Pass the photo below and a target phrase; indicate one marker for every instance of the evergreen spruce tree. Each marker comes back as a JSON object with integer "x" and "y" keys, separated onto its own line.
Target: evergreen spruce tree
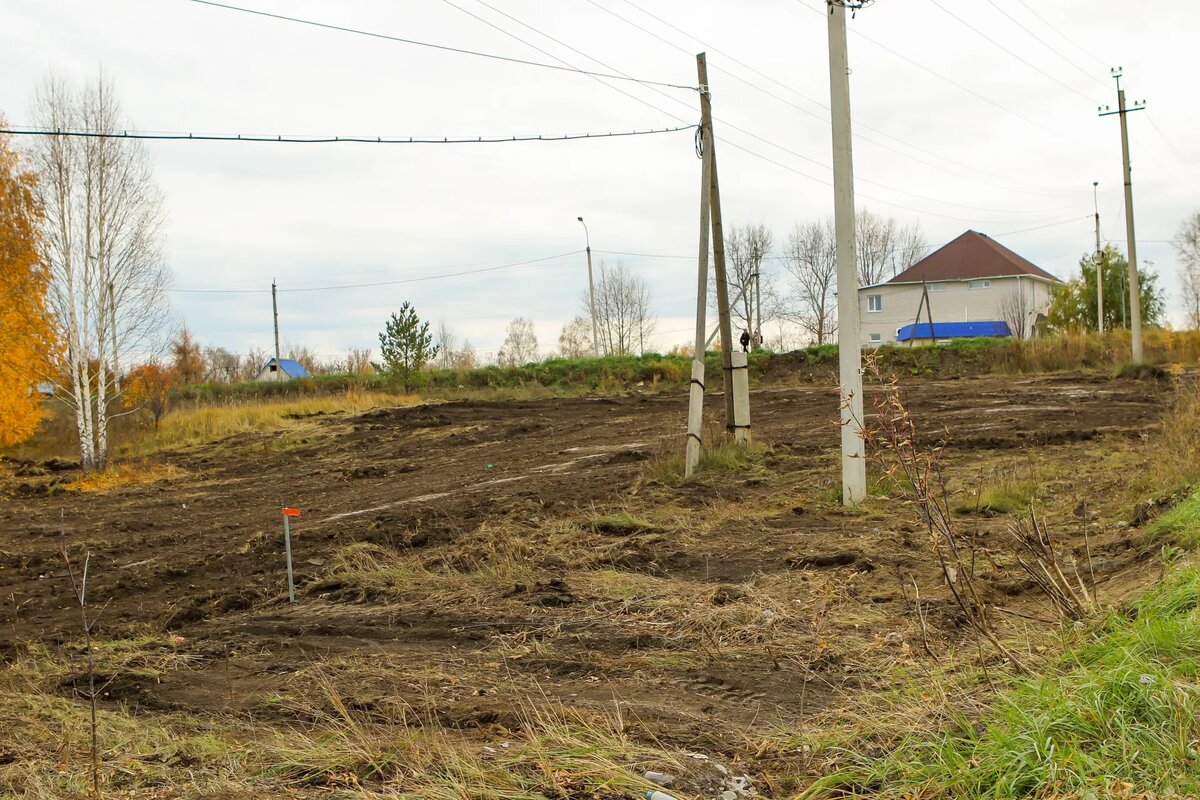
{"x": 407, "y": 346}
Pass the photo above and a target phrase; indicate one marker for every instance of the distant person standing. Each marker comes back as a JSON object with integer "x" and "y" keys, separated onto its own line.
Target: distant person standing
{"x": 745, "y": 340}
{"x": 756, "y": 341}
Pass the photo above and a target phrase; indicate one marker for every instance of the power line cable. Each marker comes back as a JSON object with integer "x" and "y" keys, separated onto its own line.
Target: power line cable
{"x": 962, "y": 87}
{"x": 858, "y": 124}
{"x": 1086, "y": 73}
{"x": 448, "y": 48}
{"x": 1183, "y": 159}
{"x": 1064, "y": 37}
{"x": 1017, "y": 56}
{"x": 717, "y": 119}
{"x": 296, "y": 139}
{"x": 593, "y": 76}
{"x": 383, "y": 283}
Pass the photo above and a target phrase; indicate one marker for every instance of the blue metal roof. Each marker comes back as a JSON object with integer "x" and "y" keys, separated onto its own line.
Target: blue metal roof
{"x": 953, "y": 330}
{"x": 293, "y": 368}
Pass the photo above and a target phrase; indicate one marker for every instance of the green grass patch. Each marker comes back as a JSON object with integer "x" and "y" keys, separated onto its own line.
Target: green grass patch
{"x": 621, "y": 524}
{"x": 1120, "y": 709}
{"x": 1179, "y": 526}
{"x": 1000, "y": 498}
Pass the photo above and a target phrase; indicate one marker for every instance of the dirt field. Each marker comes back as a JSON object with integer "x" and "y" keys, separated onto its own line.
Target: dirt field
{"x": 461, "y": 563}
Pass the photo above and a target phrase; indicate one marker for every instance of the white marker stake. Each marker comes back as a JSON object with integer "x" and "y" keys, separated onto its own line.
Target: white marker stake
{"x": 288, "y": 513}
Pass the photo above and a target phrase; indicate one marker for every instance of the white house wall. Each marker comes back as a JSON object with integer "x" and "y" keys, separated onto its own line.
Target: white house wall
{"x": 954, "y": 302}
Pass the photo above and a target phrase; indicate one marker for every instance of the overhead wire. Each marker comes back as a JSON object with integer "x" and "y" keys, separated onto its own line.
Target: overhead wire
{"x": 1015, "y": 55}
{"x": 1064, "y": 37}
{"x": 298, "y": 139}
{"x": 418, "y": 279}
{"x": 962, "y": 87}
{"x": 858, "y": 124}
{"x": 448, "y": 48}
{"x": 1086, "y": 73}
{"x": 724, "y": 122}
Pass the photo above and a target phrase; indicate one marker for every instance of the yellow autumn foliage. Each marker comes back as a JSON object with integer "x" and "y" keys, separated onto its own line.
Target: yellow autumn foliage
{"x": 26, "y": 332}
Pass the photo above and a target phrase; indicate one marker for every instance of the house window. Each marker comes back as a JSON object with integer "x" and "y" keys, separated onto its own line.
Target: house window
{"x": 874, "y": 302}
{"x": 936, "y": 287}
{"x": 876, "y": 338}
{"x": 984, "y": 284}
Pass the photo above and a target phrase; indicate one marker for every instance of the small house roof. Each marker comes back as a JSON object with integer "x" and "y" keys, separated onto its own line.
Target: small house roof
{"x": 972, "y": 255}
{"x": 952, "y": 330}
{"x": 291, "y": 367}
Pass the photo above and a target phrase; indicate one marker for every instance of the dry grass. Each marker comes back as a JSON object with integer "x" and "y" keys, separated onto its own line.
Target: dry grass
{"x": 203, "y": 424}
{"x": 1107, "y": 351}
{"x": 124, "y": 474}
{"x": 198, "y": 424}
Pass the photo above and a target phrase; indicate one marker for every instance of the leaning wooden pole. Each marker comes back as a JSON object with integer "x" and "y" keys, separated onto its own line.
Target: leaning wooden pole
{"x": 695, "y": 435}
{"x": 718, "y": 235}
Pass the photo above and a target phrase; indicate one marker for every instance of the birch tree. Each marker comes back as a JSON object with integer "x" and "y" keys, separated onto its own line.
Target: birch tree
{"x": 810, "y": 257}
{"x": 101, "y": 239}
{"x": 520, "y": 344}
{"x": 746, "y": 249}
{"x": 883, "y": 248}
{"x": 623, "y": 316}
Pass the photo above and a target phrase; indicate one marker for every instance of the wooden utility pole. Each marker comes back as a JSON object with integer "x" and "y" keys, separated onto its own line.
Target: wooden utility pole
{"x": 695, "y": 435}
{"x": 592, "y": 294}
{"x": 854, "y": 465}
{"x": 718, "y": 234}
{"x": 275, "y": 311}
{"x": 1098, "y": 260}
{"x": 1135, "y": 292}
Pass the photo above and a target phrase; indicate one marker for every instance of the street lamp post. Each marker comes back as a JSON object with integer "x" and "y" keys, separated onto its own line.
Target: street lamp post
{"x": 591, "y": 291}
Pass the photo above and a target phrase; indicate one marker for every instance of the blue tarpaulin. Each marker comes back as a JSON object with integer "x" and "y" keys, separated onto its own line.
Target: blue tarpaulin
{"x": 952, "y": 330}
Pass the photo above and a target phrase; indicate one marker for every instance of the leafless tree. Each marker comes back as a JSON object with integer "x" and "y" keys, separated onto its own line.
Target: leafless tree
{"x": 220, "y": 365}
{"x": 884, "y": 248}
{"x": 520, "y": 344}
{"x": 623, "y": 314}
{"x": 358, "y": 361}
{"x": 575, "y": 341}
{"x": 101, "y": 240}
{"x": 464, "y": 357}
{"x": 810, "y": 257}
{"x": 303, "y": 355}
{"x": 1187, "y": 245}
{"x": 746, "y": 250}
{"x": 1016, "y": 309}
{"x": 447, "y": 342}
{"x": 252, "y": 363}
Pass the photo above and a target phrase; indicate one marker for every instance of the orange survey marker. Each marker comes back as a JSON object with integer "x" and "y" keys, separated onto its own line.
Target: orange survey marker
{"x": 287, "y": 544}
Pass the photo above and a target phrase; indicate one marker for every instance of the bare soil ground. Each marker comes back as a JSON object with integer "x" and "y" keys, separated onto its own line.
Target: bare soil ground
{"x": 460, "y": 563}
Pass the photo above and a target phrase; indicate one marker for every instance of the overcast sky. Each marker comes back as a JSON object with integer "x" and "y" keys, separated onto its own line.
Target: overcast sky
{"x": 953, "y": 130}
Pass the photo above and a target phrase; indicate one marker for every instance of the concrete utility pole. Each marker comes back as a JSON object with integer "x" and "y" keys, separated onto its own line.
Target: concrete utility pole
{"x": 1135, "y": 292}
{"x": 591, "y": 291}
{"x": 854, "y": 465}
{"x": 275, "y": 310}
{"x": 718, "y": 235}
{"x": 695, "y": 435}
{"x": 1099, "y": 260}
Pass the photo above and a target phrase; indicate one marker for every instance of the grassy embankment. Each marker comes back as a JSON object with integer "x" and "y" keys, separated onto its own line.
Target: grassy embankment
{"x": 202, "y": 413}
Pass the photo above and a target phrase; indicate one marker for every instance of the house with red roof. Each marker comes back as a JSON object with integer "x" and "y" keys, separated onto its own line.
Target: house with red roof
{"x": 974, "y": 286}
